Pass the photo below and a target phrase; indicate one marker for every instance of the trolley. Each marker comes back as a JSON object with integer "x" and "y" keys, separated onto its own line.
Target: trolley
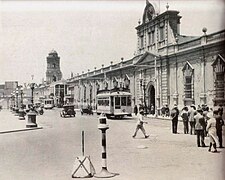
{"x": 114, "y": 103}
{"x": 48, "y": 103}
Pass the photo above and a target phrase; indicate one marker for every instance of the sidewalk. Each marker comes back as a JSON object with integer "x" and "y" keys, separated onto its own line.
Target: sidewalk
{"x": 11, "y": 123}
{"x": 162, "y": 118}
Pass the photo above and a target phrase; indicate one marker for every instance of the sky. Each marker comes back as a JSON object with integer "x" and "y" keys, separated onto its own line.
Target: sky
{"x": 86, "y": 34}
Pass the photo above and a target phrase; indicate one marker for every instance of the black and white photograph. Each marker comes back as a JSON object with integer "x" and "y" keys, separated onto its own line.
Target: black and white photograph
{"x": 112, "y": 89}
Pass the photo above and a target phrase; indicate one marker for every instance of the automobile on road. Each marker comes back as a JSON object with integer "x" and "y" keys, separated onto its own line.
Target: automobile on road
{"x": 68, "y": 110}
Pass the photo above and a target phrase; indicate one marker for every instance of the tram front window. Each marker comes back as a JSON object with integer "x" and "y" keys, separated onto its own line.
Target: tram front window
{"x": 123, "y": 101}
{"x": 129, "y": 101}
{"x": 117, "y": 102}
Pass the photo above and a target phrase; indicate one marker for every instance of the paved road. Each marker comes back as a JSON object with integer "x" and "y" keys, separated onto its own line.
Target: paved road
{"x": 49, "y": 153}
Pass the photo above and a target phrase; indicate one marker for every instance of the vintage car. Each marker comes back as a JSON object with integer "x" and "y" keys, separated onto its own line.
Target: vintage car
{"x": 68, "y": 110}
{"x": 86, "y": 111}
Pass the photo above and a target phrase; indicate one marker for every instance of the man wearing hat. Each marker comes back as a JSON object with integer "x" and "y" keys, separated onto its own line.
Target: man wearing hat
{"x": 199, "y": 127}
{"x": 140, "y": 123}
{"x": 174, "y": 114}
{"x": 191, "y": 114}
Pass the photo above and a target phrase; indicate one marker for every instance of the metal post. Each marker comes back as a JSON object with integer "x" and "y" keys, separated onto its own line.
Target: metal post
{"x": 83, "y": 143}
{"x": 17, "y": 102}
{"x": 32, "y": 94}
{"x": 21, "y": 110}
{"x": 144, "y": 88}
{"x": 31, "y": 122}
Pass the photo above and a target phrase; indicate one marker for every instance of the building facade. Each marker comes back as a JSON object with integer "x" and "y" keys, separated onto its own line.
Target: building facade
{"x": 168, "y": 68}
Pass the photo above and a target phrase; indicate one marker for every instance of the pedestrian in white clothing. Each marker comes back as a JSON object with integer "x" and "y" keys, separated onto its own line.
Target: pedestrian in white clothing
{"x": 211, "y": 129}
{"x": 139, "y": 124}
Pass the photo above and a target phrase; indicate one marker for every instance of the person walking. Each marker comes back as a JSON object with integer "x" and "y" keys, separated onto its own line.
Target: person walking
{"x": 191, "y": 114}
{"x": 174, "y": 114}
{"x": 140, "y": 125}
{"x": 211, "y": 129}
{"x": 219, "y": 126}
{"x": 184, "y": 115}
{"x": 199, "y": 127}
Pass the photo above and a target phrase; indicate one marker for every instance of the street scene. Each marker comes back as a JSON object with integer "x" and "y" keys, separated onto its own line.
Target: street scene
{"x": 128, "y": 90}
{"x": 49, "y": 153}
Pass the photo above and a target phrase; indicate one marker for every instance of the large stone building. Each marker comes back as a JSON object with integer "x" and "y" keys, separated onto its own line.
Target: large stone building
{"x": 169, "y": 68}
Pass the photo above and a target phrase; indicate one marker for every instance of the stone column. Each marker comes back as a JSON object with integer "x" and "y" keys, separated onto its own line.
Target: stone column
{"x": 203, "y": 94}
{"x": 175, "y": 95}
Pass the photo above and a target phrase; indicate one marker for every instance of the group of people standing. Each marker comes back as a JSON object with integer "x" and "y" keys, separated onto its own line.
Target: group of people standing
{"x": 203, "y": 122}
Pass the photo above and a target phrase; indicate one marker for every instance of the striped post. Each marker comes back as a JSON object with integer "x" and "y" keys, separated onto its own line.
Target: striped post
{"x": 104, "y": 157}
{"x": 103, "y": 127}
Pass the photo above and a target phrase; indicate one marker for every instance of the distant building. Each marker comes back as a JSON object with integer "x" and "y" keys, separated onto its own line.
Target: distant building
{"x": 53, "y": 72}
{"x": 10, "y": 86}
{"x": 2, "y": 89}
{"x": 168, "y": 68}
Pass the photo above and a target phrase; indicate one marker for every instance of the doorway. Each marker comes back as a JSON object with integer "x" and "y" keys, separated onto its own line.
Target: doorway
{"x": 151, "y": 96}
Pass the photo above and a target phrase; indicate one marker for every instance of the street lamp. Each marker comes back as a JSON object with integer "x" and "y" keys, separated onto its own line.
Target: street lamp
{"x": 21, "y": 110}
{"x": 17, "y": 102}
{"x": 12, "y": 102}
{"x": 143, "y": 85}
{"x": 32, "y": 92}
{"x": 31, "y": 122}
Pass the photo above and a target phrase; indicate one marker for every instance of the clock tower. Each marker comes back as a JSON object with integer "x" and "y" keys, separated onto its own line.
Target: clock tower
{"x": 53, "y": 72}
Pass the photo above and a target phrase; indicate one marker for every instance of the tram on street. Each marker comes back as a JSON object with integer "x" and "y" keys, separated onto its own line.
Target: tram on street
{"x": 114, "y": 103}
{"x": 48, "y": 103}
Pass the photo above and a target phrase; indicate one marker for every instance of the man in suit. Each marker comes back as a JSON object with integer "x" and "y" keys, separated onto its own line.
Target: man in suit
{"x": 174, "y": 114}
{"x": 191, "y": 114}
{"x": 199, "y": 127}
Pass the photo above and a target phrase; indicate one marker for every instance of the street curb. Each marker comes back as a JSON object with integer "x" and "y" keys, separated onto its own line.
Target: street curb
{"x": 19, "y": 130}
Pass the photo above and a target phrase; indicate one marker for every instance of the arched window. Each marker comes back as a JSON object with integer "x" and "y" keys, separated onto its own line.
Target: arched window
{"x": 219, "y": 80}
{"x": 161, "y": 31}
{"x": 188, "y": 74}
